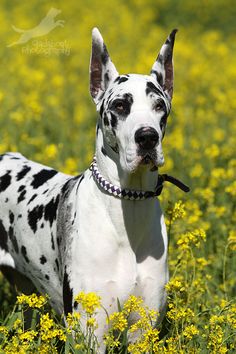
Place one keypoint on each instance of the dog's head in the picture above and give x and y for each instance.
(133, 108)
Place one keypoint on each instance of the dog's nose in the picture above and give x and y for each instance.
(146, 137)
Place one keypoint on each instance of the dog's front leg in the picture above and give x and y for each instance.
(102, 329)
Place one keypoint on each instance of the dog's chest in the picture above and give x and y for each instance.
(102, 265)
(109, 250)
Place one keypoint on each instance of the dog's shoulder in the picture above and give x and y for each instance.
(11, 156)
(29, 188)
(29, 198)
(15, 169)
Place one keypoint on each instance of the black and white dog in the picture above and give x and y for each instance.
(103, 230)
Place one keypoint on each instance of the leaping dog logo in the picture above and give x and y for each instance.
(47, 24)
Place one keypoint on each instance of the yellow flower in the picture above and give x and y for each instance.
(145, 343)
(28, 336)
(72, 319)
(46, 323)
(176, 314)
(110, 341)
(90, 302)
(51, 151)
(118, 321)
(33, 300)
(133, 304)
(190, 331)
(91, 322)
(192, 238)
(232, 240)
(3, 330)
(178, 210)
(202, 262)
(223, 303)
(231, 189)
(206, 194)
(175, 284)
(46, 348)
(216, 319)
(17, 323)
(197, 170)
(49, 329)
(70, 166)
(213, 151)
(217, 210)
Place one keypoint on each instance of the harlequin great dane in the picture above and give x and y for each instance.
(103, 230)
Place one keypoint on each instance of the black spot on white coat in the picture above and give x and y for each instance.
(151, 88)
(121, 79)
(11, 217)
(43, 259)
(34, 216)
(24, 254)
(42, 176)
(23, 173)
(5, 181)
(114, 120)
(21, 188)
(105, 120)
(50, 212)
(67, 294)
(57, 263)
(21, 196)
(13, 239)
(52, 242)
(102, 108)
(159, 77)
(32, 198)
(3, 237)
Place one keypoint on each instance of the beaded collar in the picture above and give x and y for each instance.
(131, 194)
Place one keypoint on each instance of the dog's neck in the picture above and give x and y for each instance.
(109, 167)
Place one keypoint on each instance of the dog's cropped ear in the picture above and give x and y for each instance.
(102, 70)
(162, 69)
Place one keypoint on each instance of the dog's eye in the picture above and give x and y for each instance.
(159, 105)
(119, 106)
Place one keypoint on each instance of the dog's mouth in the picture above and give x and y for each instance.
(149, 159)
(146, 160)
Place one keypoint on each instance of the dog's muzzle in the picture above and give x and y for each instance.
(146, 139)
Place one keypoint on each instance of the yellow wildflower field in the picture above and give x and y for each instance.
(46, 113)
